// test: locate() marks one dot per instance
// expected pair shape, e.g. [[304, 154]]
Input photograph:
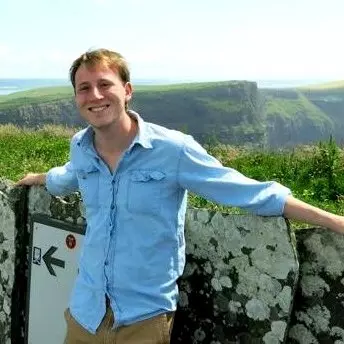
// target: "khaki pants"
[[156, 330]]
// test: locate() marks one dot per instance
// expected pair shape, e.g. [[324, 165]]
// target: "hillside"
[[291, 118], [233, 112], [229, 111]]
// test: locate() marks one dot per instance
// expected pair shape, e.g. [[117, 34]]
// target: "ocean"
[[8, 86]]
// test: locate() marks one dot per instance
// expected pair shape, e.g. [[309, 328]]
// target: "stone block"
[[319, 301], [240, 277]]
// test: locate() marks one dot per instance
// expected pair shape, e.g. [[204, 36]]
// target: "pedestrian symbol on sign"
[[36, 256]]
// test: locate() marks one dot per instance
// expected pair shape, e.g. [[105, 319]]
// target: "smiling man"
[[133, 177]]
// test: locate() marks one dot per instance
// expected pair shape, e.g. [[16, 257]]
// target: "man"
[[133, 178]]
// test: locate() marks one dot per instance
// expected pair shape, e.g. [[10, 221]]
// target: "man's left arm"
[[295, 209]]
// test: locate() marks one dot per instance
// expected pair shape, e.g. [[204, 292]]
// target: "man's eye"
[[105, 84], [83, 88]]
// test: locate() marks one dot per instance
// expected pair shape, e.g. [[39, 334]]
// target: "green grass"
[[314, 173], [295, 109], [330, 86], [23, 151], [49, 94], [35, 96]]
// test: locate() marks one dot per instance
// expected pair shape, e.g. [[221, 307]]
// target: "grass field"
[[49, 94], [314, 173]]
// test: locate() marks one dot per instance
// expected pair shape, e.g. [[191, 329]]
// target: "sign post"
[[54, 255]]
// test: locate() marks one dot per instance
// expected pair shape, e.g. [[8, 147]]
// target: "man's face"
[[101, 95]]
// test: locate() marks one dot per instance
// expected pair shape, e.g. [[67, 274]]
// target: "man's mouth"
[[98, 108]]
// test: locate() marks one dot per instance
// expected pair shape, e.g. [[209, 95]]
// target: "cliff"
[[233, 112]]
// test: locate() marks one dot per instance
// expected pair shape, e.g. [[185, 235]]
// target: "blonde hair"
[[102, 57]]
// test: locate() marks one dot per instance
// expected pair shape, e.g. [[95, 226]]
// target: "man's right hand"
[[32, 179]]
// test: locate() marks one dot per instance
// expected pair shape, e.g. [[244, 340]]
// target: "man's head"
[[102, 88], [101, 58]]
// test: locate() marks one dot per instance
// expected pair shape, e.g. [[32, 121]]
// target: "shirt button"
[[112, 206], [106, 263]]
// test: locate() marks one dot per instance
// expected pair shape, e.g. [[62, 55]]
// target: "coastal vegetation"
[[314, 173], [228, 112]]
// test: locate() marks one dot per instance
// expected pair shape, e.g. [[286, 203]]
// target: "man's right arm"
[[59, 181], [33, 179]]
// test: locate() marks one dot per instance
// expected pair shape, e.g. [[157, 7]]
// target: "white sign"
[[54, 256]]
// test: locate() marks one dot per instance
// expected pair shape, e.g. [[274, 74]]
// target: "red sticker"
[[70, 241]]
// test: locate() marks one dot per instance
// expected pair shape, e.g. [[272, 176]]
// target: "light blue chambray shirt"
[[134, 248]]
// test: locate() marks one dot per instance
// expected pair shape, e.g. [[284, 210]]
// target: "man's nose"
[[96, 93]]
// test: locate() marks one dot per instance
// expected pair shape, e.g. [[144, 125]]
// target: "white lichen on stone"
[[80, 221], [317, 318], [307, 268], [207, 268], [328, 258], [183, 299], [304, 318], [7, 268], [225, 282], [284, 299], [215, 283], [275, 264], [199, 335], [302, 335], [313, 286], [247, 284], [277, 333], [3, 317], [39, 201], [239, 263], [6, 307], [257, 310], [189, 269], [270, 338], [69, 219], [278, 328], [235, 307], [337, 332], [321, 317], [202, 216], [269, 284]]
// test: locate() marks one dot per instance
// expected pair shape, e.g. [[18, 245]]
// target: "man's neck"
[[117, 137]]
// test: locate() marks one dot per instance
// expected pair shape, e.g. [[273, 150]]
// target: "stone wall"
[[246, 280]]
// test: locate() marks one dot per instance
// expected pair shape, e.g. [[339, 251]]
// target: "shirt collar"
[[142, 137]]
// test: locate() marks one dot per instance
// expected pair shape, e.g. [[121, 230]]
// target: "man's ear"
[[128, 91]]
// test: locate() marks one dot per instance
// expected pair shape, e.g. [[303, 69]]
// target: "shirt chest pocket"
[[89, 186], [145, 191]]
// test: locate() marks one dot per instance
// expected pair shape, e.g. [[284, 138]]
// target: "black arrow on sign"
[[49, 260]]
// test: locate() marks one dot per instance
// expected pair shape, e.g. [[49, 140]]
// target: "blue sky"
[[177, 39]]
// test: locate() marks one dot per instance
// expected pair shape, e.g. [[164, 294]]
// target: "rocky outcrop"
[[241, 282], [228, 112], [13, 263], [59, 112], [319, 302]]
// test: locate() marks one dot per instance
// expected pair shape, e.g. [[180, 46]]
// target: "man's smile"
[[98, 108]]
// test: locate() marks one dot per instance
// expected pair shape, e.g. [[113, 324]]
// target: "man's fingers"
[[31, 179]]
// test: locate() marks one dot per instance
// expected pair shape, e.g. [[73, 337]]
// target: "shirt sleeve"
[[62, 180], [202, 174]]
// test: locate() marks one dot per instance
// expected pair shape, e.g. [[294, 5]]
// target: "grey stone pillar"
[[13, 262], [240, 277], [319, 301]]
